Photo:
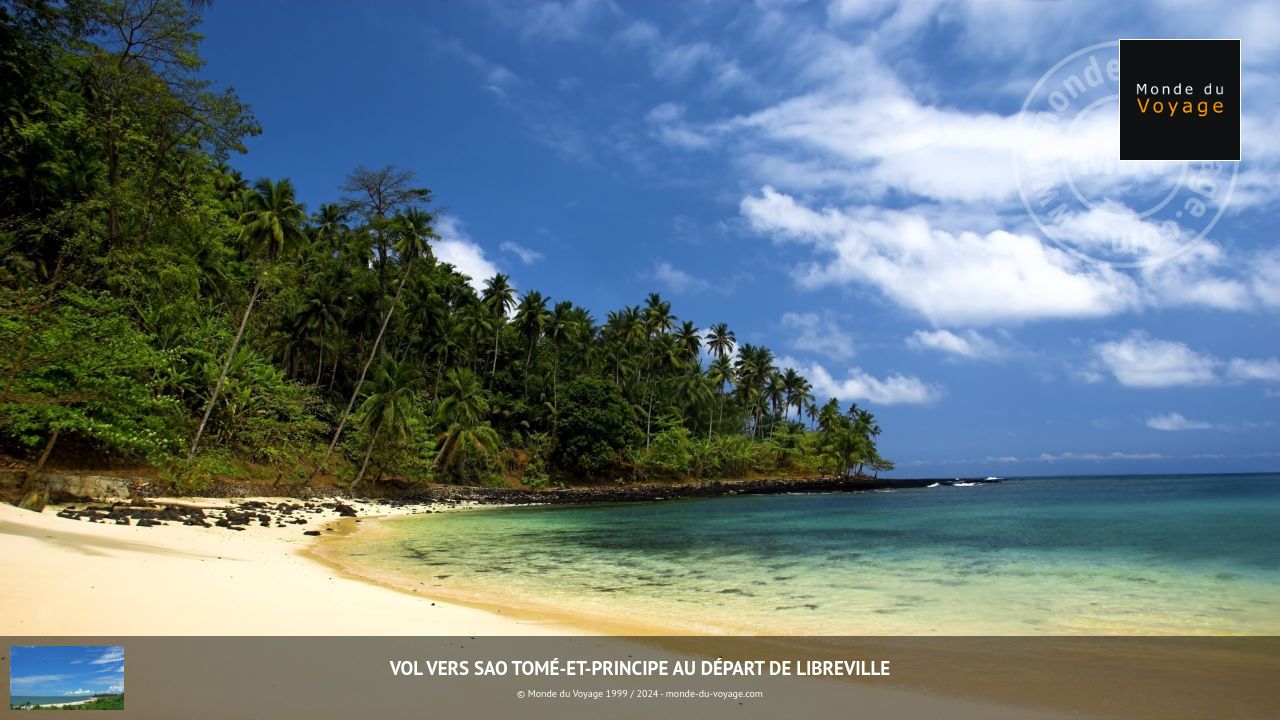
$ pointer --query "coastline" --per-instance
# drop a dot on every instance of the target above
(95, 579)
(81, 578)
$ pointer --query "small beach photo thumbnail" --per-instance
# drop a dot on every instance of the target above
(66, 677)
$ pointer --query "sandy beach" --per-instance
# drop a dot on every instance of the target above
(67, 577)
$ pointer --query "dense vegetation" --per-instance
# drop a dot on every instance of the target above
(100, 702)
(157, 306)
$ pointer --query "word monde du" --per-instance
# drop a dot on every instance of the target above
(1173, 100)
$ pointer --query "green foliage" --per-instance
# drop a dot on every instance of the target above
(151, 298)
(671, 453)
(594, 427)
(79, 366)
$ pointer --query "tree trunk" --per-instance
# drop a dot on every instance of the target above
(320, 361)
(355, 392)
(226, 366)
(493, 371)
(368, 453)
(35, 493)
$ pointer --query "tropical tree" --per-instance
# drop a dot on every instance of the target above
(463, 409)
(389, 412)
(272, 229)
(498, 297)
(531, 318)
(414, 232)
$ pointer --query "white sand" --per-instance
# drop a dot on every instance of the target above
(67, 577)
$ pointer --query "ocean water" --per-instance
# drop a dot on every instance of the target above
(15, 700)
(1124, 555)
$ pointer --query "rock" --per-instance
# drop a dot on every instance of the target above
(97, 487)
(311, 532)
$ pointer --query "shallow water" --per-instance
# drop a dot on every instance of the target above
(1165, 555)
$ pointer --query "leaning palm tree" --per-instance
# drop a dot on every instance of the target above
(392, 407)
(271, 227)
(463, 409)
(413, 229)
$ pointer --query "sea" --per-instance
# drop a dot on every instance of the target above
(1089, 555)
(16, 700)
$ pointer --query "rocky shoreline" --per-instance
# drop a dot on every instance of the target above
(316, 504)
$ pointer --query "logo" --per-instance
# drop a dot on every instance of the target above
(1080, 192)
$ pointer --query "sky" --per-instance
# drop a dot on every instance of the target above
(844, 182)
(66, 671)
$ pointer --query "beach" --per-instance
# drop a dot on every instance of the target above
(72, 577)
(80, 578)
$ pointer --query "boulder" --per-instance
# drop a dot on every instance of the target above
(94, 487)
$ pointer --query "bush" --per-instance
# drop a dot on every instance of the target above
(595, 426)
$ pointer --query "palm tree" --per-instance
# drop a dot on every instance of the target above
(531, 318)
(321, 316)
(330, 228)
(690, 342)
(720, 373)
(463, 410)
(413, 230)
(720, 340)
(499, 297)
(272, 227)
(561, 327)
(392, 407)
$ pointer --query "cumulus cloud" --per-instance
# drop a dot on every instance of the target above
(1245, 370)
(860, 386)
(677, 280)
(969, 344)
(1174, 421)
(1141, 361)
(456, 248)
(819, 334)
(949, 278)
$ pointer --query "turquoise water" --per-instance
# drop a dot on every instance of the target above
(15, 700)
(1166, 555)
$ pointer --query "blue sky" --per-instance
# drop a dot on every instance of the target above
(70, 671)
(834, 180)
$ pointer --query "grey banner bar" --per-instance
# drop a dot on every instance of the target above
(961, 678)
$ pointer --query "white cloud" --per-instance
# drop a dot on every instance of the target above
(946, 277)
(1141, 361)
(1049, 457)
(528, 256)
(668, 125)
(970, 344)
(820, 334)
(111, 655)
(677, 280)
(26, 681)
(1244, 370)
(860, 386)
(560, 20)
(456, 248)
(1174, 421)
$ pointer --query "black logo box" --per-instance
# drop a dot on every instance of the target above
(1185, 67)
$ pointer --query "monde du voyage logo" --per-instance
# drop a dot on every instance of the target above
(1127, 151)
(1180, 100)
